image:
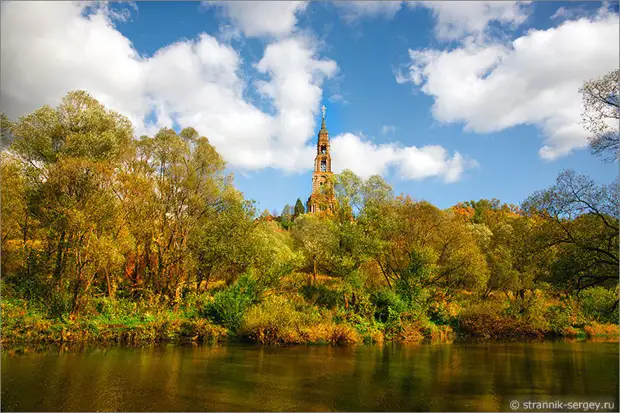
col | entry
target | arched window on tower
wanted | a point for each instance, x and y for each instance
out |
(323, 149)
(323, 165)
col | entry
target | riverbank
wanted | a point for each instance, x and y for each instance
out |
(275, 324)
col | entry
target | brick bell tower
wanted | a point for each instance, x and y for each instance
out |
(322, 198)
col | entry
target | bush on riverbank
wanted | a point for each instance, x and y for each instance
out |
(281, 320)
(23, 324)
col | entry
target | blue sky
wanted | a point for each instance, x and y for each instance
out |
(448, 103)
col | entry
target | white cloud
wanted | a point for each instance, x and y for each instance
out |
(535, 80)
(355, 10)
(227, 33)
(387, 129)
(49, 49)
(262, 18)
(458, 19)
(366, 159)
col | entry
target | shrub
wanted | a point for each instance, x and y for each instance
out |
(490, 320)
(597, 303)
(228, 307)
(195, 304)
(367, 327)
(274, 321)
(201, 330)
(342, 334)
(559, 320)
(443, 312)
(408, 332)
(596, 330)
(321, 295)
(389, 306)
(277, 321)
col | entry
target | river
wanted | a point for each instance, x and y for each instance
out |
(427, 377)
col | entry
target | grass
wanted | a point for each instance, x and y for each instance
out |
(302, 315)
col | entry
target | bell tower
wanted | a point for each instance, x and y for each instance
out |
(322, 198)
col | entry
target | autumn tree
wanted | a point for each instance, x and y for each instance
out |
(6, 137)
(315, 237)
(601, 114)
(419, 246)
(286, 218)
(354, 194)
(69, 155)
(581, 225)
(505, 236)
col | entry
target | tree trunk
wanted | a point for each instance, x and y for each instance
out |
(59, 256)
(107, 280)
(315, 270)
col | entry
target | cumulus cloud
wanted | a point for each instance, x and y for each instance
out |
(262, 18)
(51, 48)
(534, 80)
(366, 158)
(355, 10)
(456, 20)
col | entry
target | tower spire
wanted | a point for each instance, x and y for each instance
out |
(322, 198)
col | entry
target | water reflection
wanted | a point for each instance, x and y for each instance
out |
(451, 377)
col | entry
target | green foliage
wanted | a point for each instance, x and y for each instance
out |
(600, 304)
(580, 218)
(321, 295)
(274, 321)
(109, 237)
(229, 306)
(389, 306)
(316, 238)
(559, 319)
(409, 284)
(441, 312)
(299, 209)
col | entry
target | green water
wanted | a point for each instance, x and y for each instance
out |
(450, 377)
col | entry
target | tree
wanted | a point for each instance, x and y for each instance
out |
(601, 114)
(354, 194)
(287, 216)
(6, 137)
(417, 244)
(581, 225)
(299, 209)
(504, 235)
(287, 211)
(316, 237)
(184, 186)
(69, 155)
(222, 243)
